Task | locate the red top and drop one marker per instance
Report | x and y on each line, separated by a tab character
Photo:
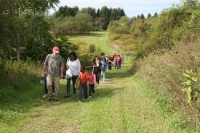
83	77
91	78
117	58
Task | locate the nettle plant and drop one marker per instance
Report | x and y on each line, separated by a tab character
189	82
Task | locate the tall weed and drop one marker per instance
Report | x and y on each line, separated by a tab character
165	72
12	70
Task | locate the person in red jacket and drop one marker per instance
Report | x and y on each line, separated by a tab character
92	80
83	84
118	61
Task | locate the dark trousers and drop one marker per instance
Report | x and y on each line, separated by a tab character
91	89
109	66
83	92
118	65
73	84
97	74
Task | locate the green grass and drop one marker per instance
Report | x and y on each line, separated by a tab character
125	104
99	39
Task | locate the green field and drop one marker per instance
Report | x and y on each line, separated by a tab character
99	39
123	104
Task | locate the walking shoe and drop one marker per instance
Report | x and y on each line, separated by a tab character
44	96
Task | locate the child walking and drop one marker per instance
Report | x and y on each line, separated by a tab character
83	84
91	79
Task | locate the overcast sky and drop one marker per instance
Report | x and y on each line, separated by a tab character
131	7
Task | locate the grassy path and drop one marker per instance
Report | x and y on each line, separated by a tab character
99	39
120	105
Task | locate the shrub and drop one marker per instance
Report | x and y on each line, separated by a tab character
12	70
165	73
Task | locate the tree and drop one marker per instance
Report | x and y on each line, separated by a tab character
90	11
105	15
65	11
20	25
191	3
98	13
142	16
83	23
149	15
155	14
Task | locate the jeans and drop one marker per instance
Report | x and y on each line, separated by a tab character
118	65
83	92
73	78
103	73
91	89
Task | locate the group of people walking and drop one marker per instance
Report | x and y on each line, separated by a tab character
76	73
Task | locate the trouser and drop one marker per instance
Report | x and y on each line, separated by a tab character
53	81
103	73
118	65
45	86
115	64
109	67
83	92
73	78
91	89
97	74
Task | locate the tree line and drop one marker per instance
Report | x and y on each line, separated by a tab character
72	20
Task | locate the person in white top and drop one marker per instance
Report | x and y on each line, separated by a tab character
73	65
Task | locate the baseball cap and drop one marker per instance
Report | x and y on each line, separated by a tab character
56	49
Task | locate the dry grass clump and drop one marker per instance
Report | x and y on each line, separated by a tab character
165	72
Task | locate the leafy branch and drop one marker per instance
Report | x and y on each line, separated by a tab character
190	80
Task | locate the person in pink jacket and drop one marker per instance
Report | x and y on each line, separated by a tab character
91	80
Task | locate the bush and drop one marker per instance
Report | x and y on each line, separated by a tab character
86	52
165	72
12	70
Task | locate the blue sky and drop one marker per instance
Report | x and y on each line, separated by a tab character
131	7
